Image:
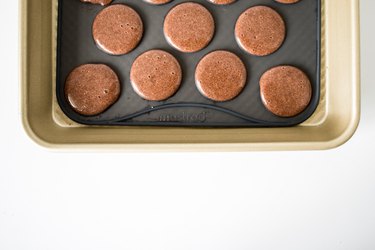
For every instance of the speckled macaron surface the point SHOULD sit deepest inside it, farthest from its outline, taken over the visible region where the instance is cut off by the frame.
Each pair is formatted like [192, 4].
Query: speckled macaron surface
[189, 27]
[101, 2]
[90, 89]
[260, 30]
[220, 76]
[156, 75]
[117, 29]
[285, 90]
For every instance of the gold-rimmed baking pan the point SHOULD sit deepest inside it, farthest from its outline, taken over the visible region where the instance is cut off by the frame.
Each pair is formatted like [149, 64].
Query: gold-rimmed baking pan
[334, 121]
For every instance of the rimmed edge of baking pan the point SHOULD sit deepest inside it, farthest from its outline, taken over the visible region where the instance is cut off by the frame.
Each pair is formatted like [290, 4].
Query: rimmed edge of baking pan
[333, 123]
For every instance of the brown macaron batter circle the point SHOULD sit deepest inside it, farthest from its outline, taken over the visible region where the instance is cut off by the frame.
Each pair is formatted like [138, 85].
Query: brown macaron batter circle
[101, 2]
[90, 89]
[157, 2]
[287, 1]
[286, 91]
[222, 2]
[156, 75]
[117, 29]
[220, 76]
[260, 31]
[189, 27]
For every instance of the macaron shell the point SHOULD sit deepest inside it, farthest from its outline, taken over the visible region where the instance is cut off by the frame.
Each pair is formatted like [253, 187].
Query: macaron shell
[287, 1]
[260, 31]
[101, 2]
[285, 91]
[90, 89]
[156, 75]
[117, 29]
[220, 76]
[189, 27]
[157, 2]
[222, 2]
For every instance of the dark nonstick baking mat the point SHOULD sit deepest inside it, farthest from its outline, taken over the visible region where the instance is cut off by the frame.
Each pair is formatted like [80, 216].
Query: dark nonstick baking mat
[188, 107]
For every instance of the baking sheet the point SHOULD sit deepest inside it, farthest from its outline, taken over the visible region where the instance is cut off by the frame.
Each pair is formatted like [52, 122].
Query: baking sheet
[188, 107]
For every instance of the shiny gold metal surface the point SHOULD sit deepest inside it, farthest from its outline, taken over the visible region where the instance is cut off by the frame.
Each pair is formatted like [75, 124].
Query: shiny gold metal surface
[333, 123]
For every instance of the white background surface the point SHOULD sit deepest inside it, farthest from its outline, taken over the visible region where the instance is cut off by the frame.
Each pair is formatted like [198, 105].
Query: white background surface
[112, 201]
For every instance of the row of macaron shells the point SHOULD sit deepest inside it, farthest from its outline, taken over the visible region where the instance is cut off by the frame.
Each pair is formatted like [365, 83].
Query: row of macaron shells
[220, 76]
[188, 27]
[159, 2]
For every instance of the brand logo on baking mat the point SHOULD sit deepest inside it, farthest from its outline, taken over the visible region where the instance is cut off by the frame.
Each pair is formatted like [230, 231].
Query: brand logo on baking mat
[184, 117]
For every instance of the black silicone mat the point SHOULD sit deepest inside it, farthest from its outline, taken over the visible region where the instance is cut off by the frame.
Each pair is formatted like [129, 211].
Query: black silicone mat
[188, 107]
